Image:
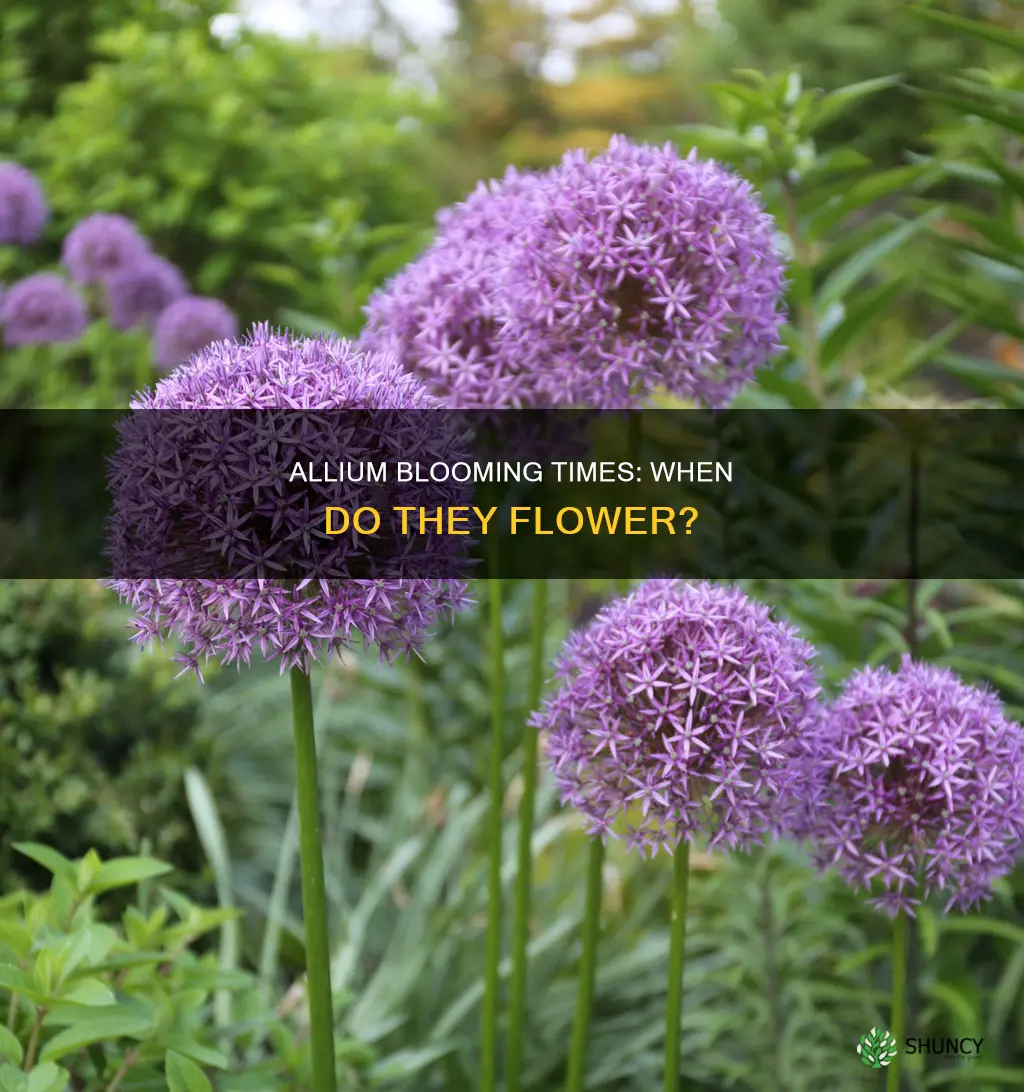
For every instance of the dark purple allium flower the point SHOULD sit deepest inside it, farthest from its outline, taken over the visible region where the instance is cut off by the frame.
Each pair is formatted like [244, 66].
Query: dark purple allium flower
[442, 316]
[923, 787]
[42, 309]
[654, 270]
[684, 708]
[101, 246]
[23, 207]
[139, 293]
[188, 325]
[234, 619]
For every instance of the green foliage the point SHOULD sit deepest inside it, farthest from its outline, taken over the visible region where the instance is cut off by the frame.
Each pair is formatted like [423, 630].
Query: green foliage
[95, 1004]
[47, 44]
[842, 239]
[842, 43]
[980, 253]
[273, 173]
[786, 969]
[94, 736]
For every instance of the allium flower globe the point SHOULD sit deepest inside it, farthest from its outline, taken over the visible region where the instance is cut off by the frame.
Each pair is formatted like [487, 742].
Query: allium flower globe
[294, 622]
[23, 208]
[140, 292]
[442, 315]
[101, 246]
[40, 310]
[924, 787]
[188, 325]
[684, 708]
[660, 271]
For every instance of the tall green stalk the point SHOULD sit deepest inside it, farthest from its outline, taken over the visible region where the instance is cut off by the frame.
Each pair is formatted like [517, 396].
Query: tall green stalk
[899, 1000]
[524, 870]
[492, 968]
[314, 895]
[588, 965]
[676, 955]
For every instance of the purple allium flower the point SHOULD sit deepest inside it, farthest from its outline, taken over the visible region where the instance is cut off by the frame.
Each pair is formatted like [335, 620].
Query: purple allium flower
[100, 246]
[658, 271]
[442, 315]
[42, 309]
[295, 622]
[139, 293]
[188, 325]
[924, 787]
[684, 708]
[23, 207]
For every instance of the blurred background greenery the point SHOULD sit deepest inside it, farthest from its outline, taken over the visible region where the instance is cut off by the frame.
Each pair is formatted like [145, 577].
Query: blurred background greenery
[291, 177]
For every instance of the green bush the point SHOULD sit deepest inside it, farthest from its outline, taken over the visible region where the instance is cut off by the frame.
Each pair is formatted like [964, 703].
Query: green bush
[277, 175]
[94, 1004]
[94, 738]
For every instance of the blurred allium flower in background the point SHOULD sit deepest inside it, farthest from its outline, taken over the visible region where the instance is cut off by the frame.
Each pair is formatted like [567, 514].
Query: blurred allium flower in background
[101, 246]
[233, 620]
[442, 315]
[42, 309]
[23, 208]
[924, 787]
[188, 325]
[140, 292]
[659, 271]
[684, 708]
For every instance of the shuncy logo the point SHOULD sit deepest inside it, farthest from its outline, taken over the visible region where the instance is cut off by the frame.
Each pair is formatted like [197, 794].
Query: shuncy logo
[877, 1048]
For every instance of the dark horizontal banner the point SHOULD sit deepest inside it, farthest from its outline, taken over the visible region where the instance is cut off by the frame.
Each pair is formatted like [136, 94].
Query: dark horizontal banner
[284, 494]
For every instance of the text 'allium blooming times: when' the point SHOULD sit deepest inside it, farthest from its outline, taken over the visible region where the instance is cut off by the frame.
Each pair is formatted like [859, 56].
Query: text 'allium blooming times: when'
[23, 208]
[684, 709]
[923, 787]
[234, 619]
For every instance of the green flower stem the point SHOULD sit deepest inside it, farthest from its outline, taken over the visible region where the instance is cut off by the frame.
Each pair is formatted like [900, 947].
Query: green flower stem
[492, 968]
[676, 955]
[314, 895]
[899, 1000]
[524, 870]
[588, 965]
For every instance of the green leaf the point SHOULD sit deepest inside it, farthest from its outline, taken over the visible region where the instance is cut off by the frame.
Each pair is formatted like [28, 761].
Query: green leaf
[17, 981]
[10, 1048]
[976, 28]
[48, 1078]
[90, 992]
[13, 1080]
[862, 315]
[183, 1075]
[96, 1029]
[126, 872]
[973, 108]
[714, 142]
[834, 105]
[979, 926]
[866, 191]
[1014, 180]
[215, 844]
[54, 862]
[182, 1044]
[856, 268]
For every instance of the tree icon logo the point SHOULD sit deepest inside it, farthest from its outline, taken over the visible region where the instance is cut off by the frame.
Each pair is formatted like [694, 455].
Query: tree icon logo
[877, 1048]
